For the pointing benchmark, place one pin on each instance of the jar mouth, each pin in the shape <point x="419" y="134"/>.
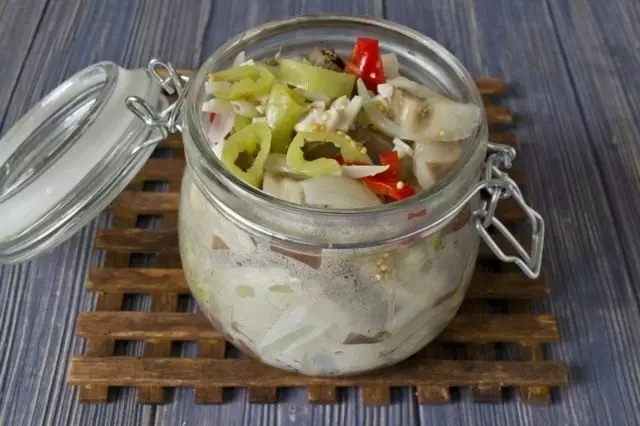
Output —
<point x="397" y="34"/>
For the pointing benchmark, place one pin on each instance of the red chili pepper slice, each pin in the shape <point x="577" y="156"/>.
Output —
<point x="389" y="188"/>
<point x="366" y="62"/>
<point x="388" y="183"/>
<point x="212" y="116"/>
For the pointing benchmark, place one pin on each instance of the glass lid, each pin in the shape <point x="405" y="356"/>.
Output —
<point x="69" y="156"/>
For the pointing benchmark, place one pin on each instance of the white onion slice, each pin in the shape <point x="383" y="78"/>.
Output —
<point x="431" y="159"/>
<point x="213" y="87"/>
<point x="222" y="122"/>
<point x="390" y="65"/>
<point x="277" y="163"/>
<point x="402" y="148"/>
<point x="338" y="192"/>
<point x="239" y="59"/>
<point x="382" y="122"/>
<point x="449" y="120"/>
<point x="350" y="113"/>
<point x="283" y="187"/>
<point x="385" y="90"/>
<point x="358" y="172"/>
<point x="245" y="108"/>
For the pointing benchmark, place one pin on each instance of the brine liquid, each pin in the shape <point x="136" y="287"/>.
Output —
<point x="323" y="313"/>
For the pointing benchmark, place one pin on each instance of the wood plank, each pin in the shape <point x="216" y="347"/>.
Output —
<point x="161" y="304"/>
<point x="498" y="114"/>
<point x="322" y="394"/>
<point x="484" y="285"/>
<point x="376" y="395"/>
<point x="134" y="240"/>
<point x="130" y="325"/>
<point x="429" y="394"/>
<point x="482" y="352"/>
<point x="177" y="372"/>
<point x="157" y="203"/>
<point x="215" y="349"/>
<point x="530" y="351"/>
<point x="161" y="169"/>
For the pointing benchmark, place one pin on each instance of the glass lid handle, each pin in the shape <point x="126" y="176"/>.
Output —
<point x="167" y="120"/>
<point x="500" y="186"/>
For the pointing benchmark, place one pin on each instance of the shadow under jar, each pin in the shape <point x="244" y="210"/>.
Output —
<point x="335" y="292"/>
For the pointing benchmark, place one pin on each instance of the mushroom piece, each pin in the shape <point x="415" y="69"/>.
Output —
<point x="325" y="58"/>
<point x="432" y="161"/>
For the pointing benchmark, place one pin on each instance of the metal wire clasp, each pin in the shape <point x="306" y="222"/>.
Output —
<point x="500" y="186"/>
<point x="167" y="120"/>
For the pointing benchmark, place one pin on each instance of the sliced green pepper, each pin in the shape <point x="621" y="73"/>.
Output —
<point x="316" y="80"/>
<point x="255" y="139"/>
<point x="240" y="122"/>
<point x="349" y="150"/>
<point x="249" y="82"/>
<point x="284" y="110"/>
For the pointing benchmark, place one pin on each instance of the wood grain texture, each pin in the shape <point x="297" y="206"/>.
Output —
<point x="131" y="371"/>
<point x="546" y="49"/>
<point x="484" y="284"/>
<point x="155" y="326"/>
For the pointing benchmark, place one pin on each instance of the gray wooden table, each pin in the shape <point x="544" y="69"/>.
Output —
<point x="574" y="64"/>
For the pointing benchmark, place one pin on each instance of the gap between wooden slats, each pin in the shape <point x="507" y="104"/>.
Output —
<point x="179" y="372"/>
<point x="108" y="302"/>
<point x="484" y="284"/>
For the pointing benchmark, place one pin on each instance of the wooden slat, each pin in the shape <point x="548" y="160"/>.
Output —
<point x="482" y="352"/>
<point x="161" y="169"/>
<point x="498" y="114"/>
<point x="491" y="86"/>
<point x="215" y="349"/>
<point x="146" y="202"/>
<point x="176" y="372"/>
<point x="504" y="138"/>
<point x="530" y="351"/>
<point x="100" y="346"/>
<point x="161" y="304"/>
<point x="108" y="302"/>
<point x="174" y="144"/>
<point x="134" y="240"/>
<point x="162" y="203"/>
<point x="129" y="325"/>
<point x="484" y="285"/>
<point x="322" y="394"/>
<point x="262" y="394"/>
<point x="376" y="395"/>
<point x="430" y="394"/>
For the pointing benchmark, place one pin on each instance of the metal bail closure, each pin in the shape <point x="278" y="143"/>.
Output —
<point x="72" y="154"/>
<point x="500" y="186"/>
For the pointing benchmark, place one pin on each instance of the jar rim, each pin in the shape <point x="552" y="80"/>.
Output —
<point x="468" y="161"/>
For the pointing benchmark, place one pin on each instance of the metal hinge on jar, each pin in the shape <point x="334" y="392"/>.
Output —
<point x="167" y="120"/>
<point x="500" y="186"/>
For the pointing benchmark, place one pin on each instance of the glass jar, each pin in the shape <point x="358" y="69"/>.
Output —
<point x="316" y="291"/>
<point x="325" y="292"/>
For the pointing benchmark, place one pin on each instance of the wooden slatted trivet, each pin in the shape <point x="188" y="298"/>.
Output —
<point x="497" y="313"/>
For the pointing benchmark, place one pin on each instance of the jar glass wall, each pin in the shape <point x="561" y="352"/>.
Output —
<point x="328" y="292"/>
